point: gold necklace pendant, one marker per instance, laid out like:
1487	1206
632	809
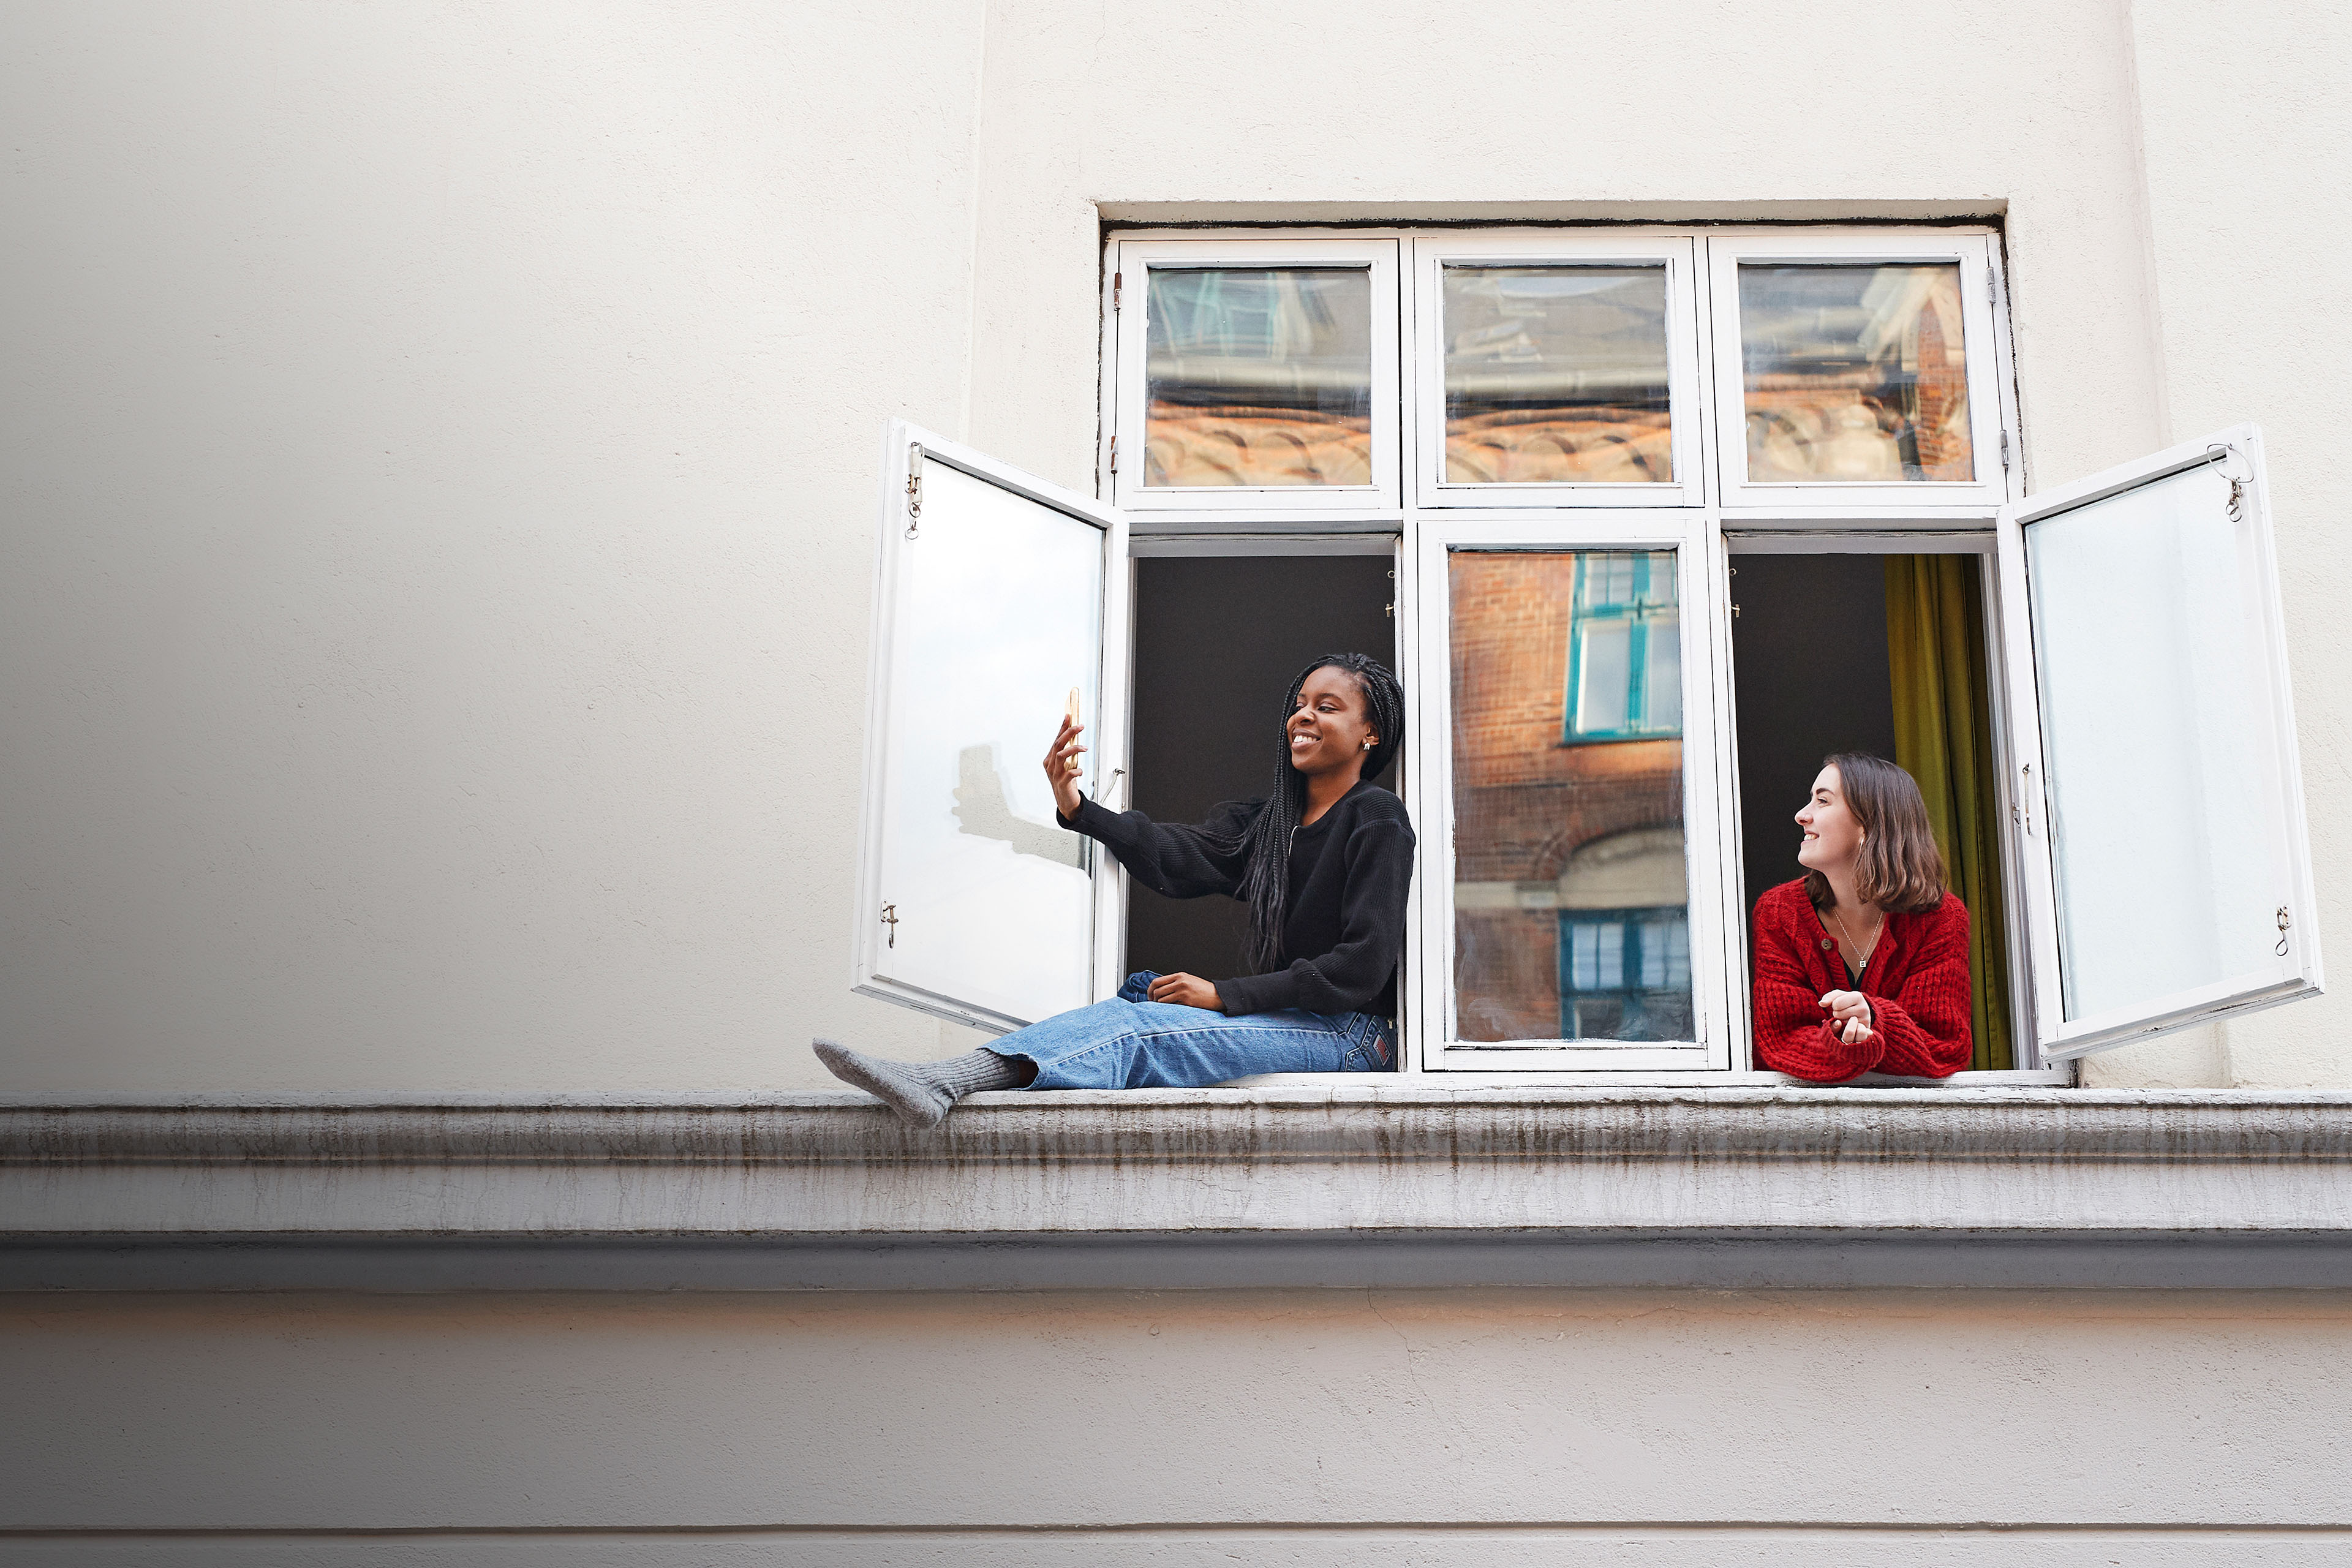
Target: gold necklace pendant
1849	946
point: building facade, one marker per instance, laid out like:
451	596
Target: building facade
446	662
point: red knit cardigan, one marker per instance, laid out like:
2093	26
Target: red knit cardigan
1916	982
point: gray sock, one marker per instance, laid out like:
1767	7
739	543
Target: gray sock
919	1092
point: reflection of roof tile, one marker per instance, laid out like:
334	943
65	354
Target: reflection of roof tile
1226	447
1214	448
1589	446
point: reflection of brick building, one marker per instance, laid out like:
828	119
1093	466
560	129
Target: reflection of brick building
1874	388
1540	827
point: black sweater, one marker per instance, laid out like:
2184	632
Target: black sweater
1343	928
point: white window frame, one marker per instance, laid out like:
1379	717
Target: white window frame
1687	531
2298	972
1919	500
1678	255
905	446
1124	378
1741	538
1814	524
1721	516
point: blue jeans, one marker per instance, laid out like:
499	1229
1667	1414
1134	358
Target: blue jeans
1133	1042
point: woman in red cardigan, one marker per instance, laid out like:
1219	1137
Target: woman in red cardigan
1862	964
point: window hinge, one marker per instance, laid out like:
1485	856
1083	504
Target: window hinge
2004	451
1117	284
1993	280
1114	454
914	488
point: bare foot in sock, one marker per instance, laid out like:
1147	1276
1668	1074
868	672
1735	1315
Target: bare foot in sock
920	1093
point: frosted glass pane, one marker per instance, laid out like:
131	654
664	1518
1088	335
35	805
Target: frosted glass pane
997	616
2157	733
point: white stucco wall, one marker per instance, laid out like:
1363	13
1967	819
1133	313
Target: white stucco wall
439	456
2245	110
1299	1427
437	521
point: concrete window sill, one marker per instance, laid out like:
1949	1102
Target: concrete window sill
1333	1185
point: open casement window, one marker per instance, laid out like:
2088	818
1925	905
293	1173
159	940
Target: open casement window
996	597
1574	912
1857	371
1255	375
1557	369
2167	867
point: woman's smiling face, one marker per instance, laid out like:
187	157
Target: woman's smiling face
1329	728
1833	833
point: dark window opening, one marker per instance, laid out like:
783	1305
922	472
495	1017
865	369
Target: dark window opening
1217	640
1883	654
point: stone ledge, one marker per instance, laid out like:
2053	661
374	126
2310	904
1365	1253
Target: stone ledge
1205	1186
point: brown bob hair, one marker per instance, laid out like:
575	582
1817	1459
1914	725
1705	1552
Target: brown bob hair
1899	869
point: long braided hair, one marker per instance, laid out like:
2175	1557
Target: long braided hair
1265	885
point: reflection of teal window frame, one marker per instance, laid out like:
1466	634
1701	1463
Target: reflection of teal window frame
1636	998
1646	603
1202	318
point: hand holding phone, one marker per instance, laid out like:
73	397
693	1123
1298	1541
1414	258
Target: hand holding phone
1062	758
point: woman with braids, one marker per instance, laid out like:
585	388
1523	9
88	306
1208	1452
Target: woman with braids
1323	863
1862	964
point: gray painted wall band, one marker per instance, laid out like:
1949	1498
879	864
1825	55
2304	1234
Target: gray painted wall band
1407	1260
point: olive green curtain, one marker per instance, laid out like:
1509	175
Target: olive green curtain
1943	738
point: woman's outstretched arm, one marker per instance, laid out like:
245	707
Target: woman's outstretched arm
1172	860
1175	861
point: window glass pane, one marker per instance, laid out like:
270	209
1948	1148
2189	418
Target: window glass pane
1603	658
1258	376
1855	372
2169	849
1556	375
1662	691
1625	650
1571	889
